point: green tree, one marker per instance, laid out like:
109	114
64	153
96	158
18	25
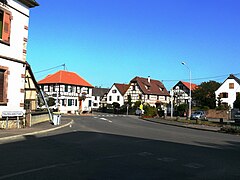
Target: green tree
204	95
236	103
51	101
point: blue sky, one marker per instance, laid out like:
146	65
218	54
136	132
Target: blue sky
108	41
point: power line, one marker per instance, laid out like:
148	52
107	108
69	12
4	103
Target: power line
62	65
212	77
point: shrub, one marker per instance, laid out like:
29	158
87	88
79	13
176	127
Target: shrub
150	111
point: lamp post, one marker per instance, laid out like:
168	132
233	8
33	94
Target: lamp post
190	93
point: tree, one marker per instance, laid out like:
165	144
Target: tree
204	95
51	101
236	103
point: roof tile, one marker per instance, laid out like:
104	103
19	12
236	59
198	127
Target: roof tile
65	77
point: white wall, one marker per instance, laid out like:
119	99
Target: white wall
114	96
231	92
15	50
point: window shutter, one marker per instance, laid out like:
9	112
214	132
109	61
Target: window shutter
1	85
6	27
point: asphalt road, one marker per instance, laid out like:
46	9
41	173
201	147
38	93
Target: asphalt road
122	147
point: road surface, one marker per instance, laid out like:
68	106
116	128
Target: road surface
106	146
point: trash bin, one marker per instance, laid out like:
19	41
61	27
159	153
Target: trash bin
56	118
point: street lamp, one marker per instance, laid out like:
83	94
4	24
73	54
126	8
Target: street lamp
190	94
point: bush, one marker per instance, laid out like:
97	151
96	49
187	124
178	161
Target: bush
150	111
231	129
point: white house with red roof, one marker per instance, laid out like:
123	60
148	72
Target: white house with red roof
181	92
228	91
116	93
14	21
72	93
148	91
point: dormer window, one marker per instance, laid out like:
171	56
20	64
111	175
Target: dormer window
147	87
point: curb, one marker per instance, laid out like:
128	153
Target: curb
34	133
183	126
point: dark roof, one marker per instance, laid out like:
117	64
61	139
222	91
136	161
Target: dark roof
65	77
29	3
122	87
99	91
231	76
154	87
187	85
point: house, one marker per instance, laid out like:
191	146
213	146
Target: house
181	92
14	20
228	91
148	91
116	93
72	93
99	97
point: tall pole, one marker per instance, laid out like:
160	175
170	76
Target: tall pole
190	90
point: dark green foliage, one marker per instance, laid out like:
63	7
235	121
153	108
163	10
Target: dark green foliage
236	103
204	95
149	110
51	101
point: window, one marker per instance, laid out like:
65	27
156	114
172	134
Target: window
110	98
70	102
66	88
118	98
5	22
3	85
75	102
139	96
114	91
95	98
231	85
224	95
89	103
134	88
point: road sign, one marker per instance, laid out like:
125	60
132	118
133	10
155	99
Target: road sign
12	113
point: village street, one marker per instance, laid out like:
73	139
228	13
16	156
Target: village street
105	146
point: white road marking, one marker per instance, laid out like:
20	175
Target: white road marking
194	165
104	119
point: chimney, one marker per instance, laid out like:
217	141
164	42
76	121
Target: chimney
149	79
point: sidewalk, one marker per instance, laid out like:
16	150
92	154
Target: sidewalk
7	134
185	125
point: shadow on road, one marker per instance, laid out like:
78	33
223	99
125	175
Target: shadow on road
91	155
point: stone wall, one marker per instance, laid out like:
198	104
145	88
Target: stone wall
212	113
39	117
12	123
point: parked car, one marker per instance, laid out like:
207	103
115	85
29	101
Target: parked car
198	115
139	112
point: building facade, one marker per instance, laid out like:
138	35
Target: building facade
181	92
14	20
148	91
72	94
99	97
116	94
228	91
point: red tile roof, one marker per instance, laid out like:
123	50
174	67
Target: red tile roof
122	87
154	87
187	84
65	77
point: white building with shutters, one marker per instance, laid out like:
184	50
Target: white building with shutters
228	91
14	20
